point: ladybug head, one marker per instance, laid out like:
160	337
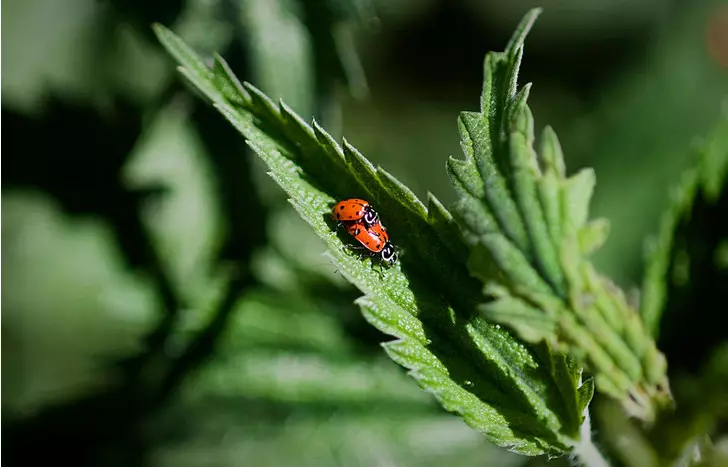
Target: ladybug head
370	217
389	254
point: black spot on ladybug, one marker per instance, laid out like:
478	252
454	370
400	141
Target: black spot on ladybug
341	208
358	213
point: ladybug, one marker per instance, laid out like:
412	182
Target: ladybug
355	210
374	239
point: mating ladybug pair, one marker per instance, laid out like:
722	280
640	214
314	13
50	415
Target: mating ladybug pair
362	223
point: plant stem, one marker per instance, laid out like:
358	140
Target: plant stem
586	452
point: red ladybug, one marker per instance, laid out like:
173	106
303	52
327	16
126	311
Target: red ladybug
355	210
374	239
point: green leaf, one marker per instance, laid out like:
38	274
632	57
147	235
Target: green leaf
528	231
593	235
528	321
586	392
525	172
428	301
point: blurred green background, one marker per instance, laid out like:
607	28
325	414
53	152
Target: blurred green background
162	303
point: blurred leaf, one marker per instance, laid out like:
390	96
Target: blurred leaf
718	456
50	46
185	220
688	436
501	387
81	51
630	445
208	24
69	306
130	51
705	181
331	25
701	409
277	41
304	378
286	349
375	437
314	38
266	319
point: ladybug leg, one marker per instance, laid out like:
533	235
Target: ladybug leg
354	248
378	267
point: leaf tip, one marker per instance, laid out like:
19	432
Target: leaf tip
522	30
159	29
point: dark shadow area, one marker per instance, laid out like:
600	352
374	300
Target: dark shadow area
695	321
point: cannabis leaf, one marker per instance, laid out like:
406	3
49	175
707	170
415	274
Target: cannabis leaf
526	398
527	226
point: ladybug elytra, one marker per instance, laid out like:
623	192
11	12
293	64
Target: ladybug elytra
354	209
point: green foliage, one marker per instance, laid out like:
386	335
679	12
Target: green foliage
635	135
528	229
122	309
51	254
681	437
313	38
373	436
283	349
268	22
707	177
523	397
702	407
185	223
